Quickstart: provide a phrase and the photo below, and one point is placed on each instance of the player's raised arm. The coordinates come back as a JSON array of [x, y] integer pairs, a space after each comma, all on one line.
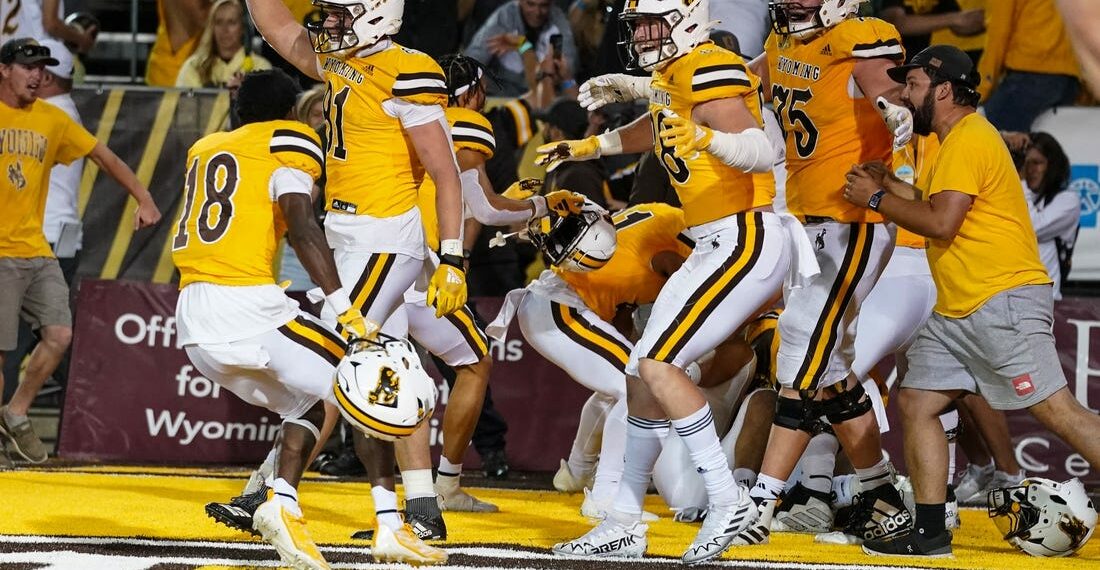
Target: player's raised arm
[[279, 28], [629, 139]]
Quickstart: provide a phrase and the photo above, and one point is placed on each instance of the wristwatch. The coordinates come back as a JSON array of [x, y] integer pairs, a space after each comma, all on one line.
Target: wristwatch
[[875, 198]]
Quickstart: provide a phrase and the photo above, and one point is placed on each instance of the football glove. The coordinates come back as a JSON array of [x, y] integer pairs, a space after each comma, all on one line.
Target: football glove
[[898, 119], [523, 189], [551, 155], [612, 88], [356, 325], [447, 288], [564, 202], [684, 136]]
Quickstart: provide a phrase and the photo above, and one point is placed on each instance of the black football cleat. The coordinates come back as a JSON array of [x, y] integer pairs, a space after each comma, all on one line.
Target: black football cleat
[[237, 513]]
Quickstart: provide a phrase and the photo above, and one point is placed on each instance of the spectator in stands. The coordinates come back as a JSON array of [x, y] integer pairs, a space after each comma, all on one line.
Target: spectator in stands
[[747, 20], [960, 23], [589, 19], [222, 58], [311, 107], [1055, 208], [514, 29], [180, 24], [1080, 18], [567, 120], [43, 19], [1028, 65], [31, 283]]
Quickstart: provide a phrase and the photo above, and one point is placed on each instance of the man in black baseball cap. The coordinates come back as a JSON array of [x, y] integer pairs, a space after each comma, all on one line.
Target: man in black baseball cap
[[25, 51], [941, 64], [21, 63]]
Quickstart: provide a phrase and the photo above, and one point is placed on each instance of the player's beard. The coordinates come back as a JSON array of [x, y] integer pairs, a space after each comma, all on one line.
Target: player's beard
[[922, 116]]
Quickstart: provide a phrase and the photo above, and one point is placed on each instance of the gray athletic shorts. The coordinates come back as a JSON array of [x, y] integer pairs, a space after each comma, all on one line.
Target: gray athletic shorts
[[34, 289], [1003, 351]]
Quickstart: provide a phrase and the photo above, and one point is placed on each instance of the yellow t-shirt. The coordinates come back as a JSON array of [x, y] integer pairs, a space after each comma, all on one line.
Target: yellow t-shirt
[[708, 188], [470, 130], [230, 224], [371, 165], [995, 248], [826, 127], [163, 65], [32, 141], [221, 72], [641, 232]]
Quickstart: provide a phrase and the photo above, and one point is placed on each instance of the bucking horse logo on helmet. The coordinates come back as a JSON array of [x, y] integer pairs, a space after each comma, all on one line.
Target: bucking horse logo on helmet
[[385, 393]]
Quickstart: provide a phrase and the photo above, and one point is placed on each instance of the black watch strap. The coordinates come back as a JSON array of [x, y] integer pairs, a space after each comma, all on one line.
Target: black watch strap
[[453, 261]]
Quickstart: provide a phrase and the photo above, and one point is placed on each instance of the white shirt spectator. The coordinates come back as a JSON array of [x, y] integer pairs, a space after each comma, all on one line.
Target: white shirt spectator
[[746, 19], [23, 19], [1057, 220], [508, 68], [63, 196]]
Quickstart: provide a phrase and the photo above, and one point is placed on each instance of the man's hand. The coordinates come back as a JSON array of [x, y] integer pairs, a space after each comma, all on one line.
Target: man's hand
[[523, 189], [553, 154], [564, 202], [968, 22], [501, 44], [612, 88], [146, 214], [877, 171], [898, 119], [447, 288], [356, 325], [861, 185], [686, 137]]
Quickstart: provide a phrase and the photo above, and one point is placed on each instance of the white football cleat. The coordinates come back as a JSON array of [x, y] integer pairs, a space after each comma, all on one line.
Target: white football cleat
[[566, 482], [402, 546], [759, 531], [722, 525], [454, 498], [288, 534], [803, 510], [595, 509], [610, 538]]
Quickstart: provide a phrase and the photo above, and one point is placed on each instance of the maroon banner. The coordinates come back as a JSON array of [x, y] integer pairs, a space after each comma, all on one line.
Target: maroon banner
[[134, 396]]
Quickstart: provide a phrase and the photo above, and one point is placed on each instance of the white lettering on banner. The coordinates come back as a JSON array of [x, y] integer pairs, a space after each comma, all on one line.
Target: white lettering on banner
[[435, 434], [183, 430], [511, 351], [1075, 465], [131, 328], [195, 386], [1081, 379]]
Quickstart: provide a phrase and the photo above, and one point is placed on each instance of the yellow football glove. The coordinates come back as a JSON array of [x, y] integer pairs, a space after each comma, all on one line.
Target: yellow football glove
[[523, 189], [564, 202], [684, 136], [356, 325], [447, 288], [551, 155]]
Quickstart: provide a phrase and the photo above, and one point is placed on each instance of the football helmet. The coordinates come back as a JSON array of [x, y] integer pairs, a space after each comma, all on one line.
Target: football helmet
[[353, 24], [382, 389], [578, 242], [1044, 518], [792, 18], [684, 25]]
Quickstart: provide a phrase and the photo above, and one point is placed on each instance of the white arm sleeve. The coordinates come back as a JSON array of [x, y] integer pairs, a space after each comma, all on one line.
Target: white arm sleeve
[[286, 180], [474, 197], [749, 150], [411, 114]]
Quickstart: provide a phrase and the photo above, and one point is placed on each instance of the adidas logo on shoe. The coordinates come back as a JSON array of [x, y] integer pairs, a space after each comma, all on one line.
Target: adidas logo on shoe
[[888, 526]]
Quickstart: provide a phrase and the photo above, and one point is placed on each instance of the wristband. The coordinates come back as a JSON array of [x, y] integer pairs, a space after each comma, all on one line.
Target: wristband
[[569, 84], [539, 203], [339, 301], [524, 47], [610, 143]]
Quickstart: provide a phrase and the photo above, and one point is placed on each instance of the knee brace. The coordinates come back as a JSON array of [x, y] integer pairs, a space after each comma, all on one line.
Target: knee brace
[[305, 423], [795, 414], [846, 404]]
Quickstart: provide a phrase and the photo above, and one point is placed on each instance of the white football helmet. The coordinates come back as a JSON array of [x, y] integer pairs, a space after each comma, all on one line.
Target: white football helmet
[[686, 24], [354, 24], [798, 19], [382, 389], [579, 242], [1044, 518]]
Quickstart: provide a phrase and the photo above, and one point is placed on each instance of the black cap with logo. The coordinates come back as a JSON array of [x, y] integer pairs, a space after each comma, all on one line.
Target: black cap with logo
[[25, 51], [567, 115], [949, 62]]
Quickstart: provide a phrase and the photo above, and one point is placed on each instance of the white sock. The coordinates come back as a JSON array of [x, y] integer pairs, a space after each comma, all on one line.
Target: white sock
[[644, 441], [701, 440], [951, 462], [13, 420], [844, 490], [587, 442], [385, 507], [417, 483], [766, 487], [744, 476], [876, 475], [267, 468], [287, 496], [818, 463], [448, 469], [609, 472]]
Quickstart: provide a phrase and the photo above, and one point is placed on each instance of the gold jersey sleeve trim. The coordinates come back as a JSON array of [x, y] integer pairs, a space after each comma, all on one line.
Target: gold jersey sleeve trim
[[889, 48], [288, 140], [474, 134], [419, 83], [723, 75]]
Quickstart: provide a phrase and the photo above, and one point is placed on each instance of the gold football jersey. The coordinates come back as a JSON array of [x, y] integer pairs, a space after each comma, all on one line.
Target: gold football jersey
[[708, 188], [641, 231], [469, 130], [827, 127], [32, 141], [371, 165], [231, 223]]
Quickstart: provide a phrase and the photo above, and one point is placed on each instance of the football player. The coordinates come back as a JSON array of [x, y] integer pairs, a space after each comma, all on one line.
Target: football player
[[578, 316], [385, 130], [704, 124], [244, 189]]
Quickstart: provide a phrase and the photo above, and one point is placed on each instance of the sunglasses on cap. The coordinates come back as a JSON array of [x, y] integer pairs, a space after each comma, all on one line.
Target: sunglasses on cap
[[27, 53]]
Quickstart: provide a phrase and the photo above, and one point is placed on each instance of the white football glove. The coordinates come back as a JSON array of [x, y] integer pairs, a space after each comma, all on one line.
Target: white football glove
[[612, 88], [898, 119]]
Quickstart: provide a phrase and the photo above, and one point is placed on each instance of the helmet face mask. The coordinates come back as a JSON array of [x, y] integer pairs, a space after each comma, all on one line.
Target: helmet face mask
[[582, 242], [351, 24], [1042, 517], [802, 20], [656, 32]]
